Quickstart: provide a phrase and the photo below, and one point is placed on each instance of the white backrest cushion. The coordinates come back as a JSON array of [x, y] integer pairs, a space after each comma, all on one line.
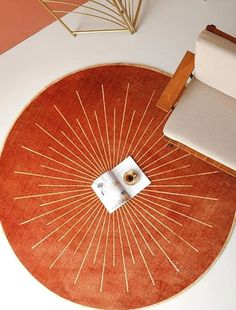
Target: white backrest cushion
[[215, 62]]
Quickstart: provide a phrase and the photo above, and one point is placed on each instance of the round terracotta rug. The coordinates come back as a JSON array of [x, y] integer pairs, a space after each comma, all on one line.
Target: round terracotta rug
[[150, 249]]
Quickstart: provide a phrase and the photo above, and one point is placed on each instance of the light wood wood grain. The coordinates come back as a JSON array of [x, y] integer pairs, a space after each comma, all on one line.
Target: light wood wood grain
[[176, 85], [220, 33]]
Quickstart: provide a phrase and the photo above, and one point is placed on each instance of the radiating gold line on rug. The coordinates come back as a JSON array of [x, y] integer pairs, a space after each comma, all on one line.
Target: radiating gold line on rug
[[73, 238], [183, 195], [138, 229], [177, 212], [88, 249], [105, 255], [158, 159], [88, 229], [157, 243], [158, 150], [62, 185], [65, 147], [64, 172], [114, 138], [50, 177], [106, 126], [139, 248], [142, 135], [50, 194], [127, 238], [113, 240], [92, 132], [171, 185], [59, 227], [100, 237], [78, 138], [140, 122], [51, 211], [150, 223], [127, 135], [166, 171], [168, 228], [88, 203], [95, 207], [96, 167], [188, 176], [122, 254], [102, 141], [50, 158], [165, 199], [122, 122], [63, 199], [90, 174], [169, 162], [154, 154], [153, 133], [158, 212], [90, 143]]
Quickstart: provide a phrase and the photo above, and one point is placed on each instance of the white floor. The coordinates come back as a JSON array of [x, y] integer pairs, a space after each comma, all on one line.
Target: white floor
[[167, 29]]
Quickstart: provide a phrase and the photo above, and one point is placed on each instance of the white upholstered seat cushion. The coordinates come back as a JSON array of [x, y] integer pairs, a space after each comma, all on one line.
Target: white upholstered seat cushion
[[215, 62], [205, 120]]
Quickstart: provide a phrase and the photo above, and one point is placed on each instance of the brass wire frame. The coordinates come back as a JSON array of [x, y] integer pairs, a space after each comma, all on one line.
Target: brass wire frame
[[122, 13]]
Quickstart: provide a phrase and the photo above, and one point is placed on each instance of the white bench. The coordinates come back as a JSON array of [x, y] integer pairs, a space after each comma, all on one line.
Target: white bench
[[204, 120]]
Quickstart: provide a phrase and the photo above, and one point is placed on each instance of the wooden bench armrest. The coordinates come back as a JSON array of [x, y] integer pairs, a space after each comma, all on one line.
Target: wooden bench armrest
[[177, 83], [213, 29]]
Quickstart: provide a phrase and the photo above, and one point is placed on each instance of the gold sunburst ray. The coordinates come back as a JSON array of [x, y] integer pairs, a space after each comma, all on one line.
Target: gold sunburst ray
[[158, 212], [73, 238], [168, 163], [105, 255], [188, 176], [154, 154], [106, 126], [169, 229], [160, 158], [78, 138], [50, 194], [151, 135], [63, 199], [122, 254], [32, 174], [122, 122], [90, 174], [49, 212], [88, 249], [139, 248], [58, 228], [156, 242], [140, 122], [102, 141], [167, 171], [88, 202], [64, 146], [92, 132]]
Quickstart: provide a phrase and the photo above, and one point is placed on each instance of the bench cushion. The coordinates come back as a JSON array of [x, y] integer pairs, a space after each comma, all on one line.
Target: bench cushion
[[205, 120], [215, 62]]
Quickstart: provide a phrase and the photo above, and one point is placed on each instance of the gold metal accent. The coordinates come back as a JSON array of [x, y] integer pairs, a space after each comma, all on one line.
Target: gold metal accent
[[121, 13], [131, 177]]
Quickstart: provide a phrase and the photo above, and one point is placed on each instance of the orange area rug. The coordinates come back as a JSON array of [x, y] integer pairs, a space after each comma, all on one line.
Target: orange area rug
[[150, 249]]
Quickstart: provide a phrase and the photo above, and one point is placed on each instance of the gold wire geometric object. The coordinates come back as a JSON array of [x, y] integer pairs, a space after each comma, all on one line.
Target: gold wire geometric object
[[121, 13]]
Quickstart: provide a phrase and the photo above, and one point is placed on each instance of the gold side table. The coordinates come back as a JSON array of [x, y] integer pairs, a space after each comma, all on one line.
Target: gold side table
[[119, 15]]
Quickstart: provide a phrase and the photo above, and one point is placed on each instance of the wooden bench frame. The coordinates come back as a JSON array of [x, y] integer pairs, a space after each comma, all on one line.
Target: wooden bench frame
[[175, 88]]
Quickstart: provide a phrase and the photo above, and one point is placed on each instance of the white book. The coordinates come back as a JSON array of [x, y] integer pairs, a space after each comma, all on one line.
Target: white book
[[116, 187]]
